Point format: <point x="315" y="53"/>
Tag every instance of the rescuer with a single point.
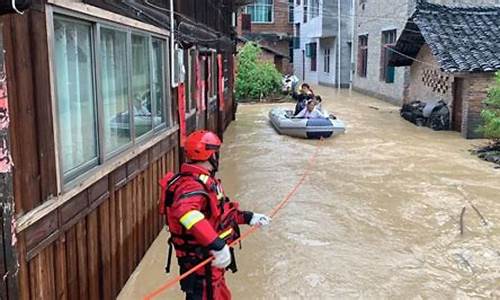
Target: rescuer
<point x="202" y="220"/>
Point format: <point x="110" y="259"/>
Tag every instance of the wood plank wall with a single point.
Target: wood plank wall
<point x="89" y="247"/>
<point x="25" y="41"/>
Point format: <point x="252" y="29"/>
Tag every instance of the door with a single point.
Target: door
<point x="457" y="114"/>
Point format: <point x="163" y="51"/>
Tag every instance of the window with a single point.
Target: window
<point x="387" y="73"/>
<point x="191" y="89"/>
<point x="102" y="74"/>
<point x="298" y="2"/>
<point x="212" y="80"/>
<point x="290" y="11"/>
<point x="114" y="89"/>
<point x="141" y="85"/>
<point x="311" y="52"/>
<point x="261" y="11"/>
<point x="314" y="8"/>
<point x="290" y="50"/>
<point x="362" y="55"/>
<point x="296" y="38"/>
<point x="76" y="105"/>
<point x="159" y="80"/>
<point x="326" y="67"/>
<point x="305" y="11"/>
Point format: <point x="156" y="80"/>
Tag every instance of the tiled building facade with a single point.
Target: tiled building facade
<point x="318" y="58"/>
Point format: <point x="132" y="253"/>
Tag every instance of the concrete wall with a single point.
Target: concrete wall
<point x="375" y="17"/>
<point x="323" y="77"/>
<point x="323" y="30"/>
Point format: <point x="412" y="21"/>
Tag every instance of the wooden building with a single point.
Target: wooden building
<point x="95" y="121"/>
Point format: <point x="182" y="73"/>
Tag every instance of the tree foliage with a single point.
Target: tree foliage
<point x="256" y="79"/>
<point x="491" y="114"/>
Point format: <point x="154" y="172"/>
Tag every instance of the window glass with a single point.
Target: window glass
<point x="141" y="85"/>
<point x="215" y="76"/>
<point x="114" y="85"/>
<point x="192" y="81"/>
<point x="94" y="112"/>
<point x="75" y="95"/>
<point x="159" y="81"/>
<point x="314" y="8"/>
<point x="261" y="11"/>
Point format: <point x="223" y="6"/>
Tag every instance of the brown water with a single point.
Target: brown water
<point x="378" y="218"/>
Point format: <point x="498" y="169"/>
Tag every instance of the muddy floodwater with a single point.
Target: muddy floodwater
<point x="377" y="218"/>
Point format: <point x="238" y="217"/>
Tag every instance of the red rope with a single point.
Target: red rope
<point x="247" y="233"/>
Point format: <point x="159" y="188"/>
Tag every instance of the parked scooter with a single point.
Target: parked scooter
<point x="289" y="84"/>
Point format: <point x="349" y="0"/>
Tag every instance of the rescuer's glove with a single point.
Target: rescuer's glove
<point x="222" y="258"/>
<point x="260" y="220"/>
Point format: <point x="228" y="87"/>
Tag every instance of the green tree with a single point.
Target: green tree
<point x="256" y="79"/>
<point x="491" y="114"/>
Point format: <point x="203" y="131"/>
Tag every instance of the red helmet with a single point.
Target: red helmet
<point x="201" y="145"/>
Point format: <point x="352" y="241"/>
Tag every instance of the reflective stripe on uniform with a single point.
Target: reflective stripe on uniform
<point x="191" y="218"/>
<point x="204" y="178"/>
<point x="226" y="233"/>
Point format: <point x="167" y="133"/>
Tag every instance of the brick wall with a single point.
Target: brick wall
<point x="280" y="26"/>
<point x="476" y="87"/>
<point x="427" y="82"/>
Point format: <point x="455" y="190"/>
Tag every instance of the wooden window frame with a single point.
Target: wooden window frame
<point x="313" y="48"/>
<point x="362" y="69"/>
<point x="291" y="11"/>
<point x="105" y="161"/>
<point x="388" y="39"/>
<point x="191" y="82"/>
<point x="326" y="60"/>
<point x="212" y="83"/>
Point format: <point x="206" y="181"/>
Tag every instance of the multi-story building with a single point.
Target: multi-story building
<point x="378" y="25"/>
<point x="323" y="41"/>
<point x="269" y="23"/>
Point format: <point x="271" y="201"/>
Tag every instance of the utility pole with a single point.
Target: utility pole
<point x="353" y="32"/>
<point x="339" y="40"/>
<point x="172" y="44"/>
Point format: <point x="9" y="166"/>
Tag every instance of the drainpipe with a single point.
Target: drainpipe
<point x="339" y="45"/>
<point x="172" y="43"/>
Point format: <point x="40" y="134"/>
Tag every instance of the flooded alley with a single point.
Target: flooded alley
<point x="377" y="218"/>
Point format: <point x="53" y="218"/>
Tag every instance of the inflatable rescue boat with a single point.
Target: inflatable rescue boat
<point x="285" y="123"/>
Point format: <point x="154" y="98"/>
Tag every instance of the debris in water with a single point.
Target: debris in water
<point x="483" y="220"/>
<point x="463" y="263"/>
<point x="374" y="107"/>
<point x="466" y="197"/>
<point x="462" y="221"/>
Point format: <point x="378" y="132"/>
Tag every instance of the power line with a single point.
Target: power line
<point x="405" y="18"/>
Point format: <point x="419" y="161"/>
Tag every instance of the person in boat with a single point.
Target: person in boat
<point x="318" y="101"/>
<point x="305" y="93"/>
<point x="202" y="221"/>
<point x="310" y="112"/>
